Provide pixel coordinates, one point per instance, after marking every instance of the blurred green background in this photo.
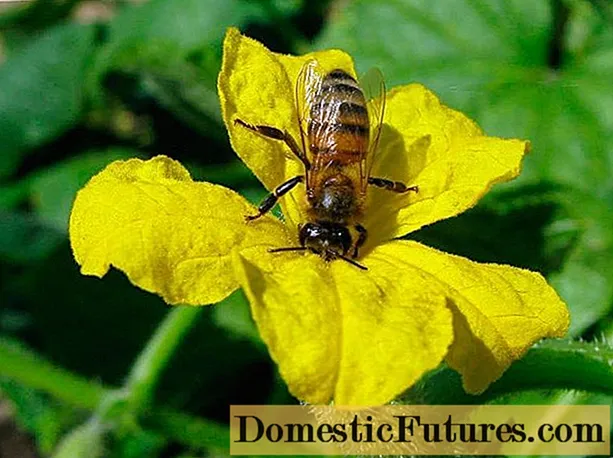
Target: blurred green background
(83, 83)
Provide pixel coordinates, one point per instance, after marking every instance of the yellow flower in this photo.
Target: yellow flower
(337, 332)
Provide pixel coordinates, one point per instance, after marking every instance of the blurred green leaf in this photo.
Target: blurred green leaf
(24, 239)
(184, 84)
(24, 20)
(27, 369)
(539, 70)
(52, 190)
(12, 195)
(42, 93)
(550, 364)
(493, 64)
(33, 371)
(235, 316)
(175, 49)
(190, 24)
(234, 174)
(27, 237)
(287, 7)
(85, 441)
(508, 227)
(13, 321)
(41, 416)
(79, 321)
(136, 444)
(586, 278)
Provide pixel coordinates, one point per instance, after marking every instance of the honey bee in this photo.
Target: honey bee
(340, 124)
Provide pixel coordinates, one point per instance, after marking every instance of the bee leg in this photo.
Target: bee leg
(394, 186)
(277, 134)
(363, 234)
(271, 199)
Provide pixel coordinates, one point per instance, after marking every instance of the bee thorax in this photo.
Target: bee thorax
(334, 199)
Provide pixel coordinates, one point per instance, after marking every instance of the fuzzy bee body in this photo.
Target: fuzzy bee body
(339, 126)
(339, 130)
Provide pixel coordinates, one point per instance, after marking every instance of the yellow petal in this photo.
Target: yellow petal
(343, 334)
(258, 86)
(499, 311)
(294, 304)
(170, 235)
(396, 326)
(427, 144)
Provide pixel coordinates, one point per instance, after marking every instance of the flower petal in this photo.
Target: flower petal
(170, 235)
(499, 311)
(396, 327)
(293, 302)
(427, 144)
(339, 333)
(258, 86)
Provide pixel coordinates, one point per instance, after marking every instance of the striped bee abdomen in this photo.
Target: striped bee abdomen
(339, 126)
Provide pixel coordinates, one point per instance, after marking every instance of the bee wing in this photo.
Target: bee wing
(373, 86)
(308, 88)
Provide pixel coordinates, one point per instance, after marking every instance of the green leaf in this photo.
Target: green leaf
(41, 93)
(23, 239)
(137, 444)
(538, 70)
(184, 84)
(32, 236)
(85, 441)
(123, 317)
(30, 370)
(507, 228)
(234, 315)
(553, 364)
(24, 20)
(12, 195)
(586, 278)
(52, 190)
(493, 64)
(42, 417)
(174, 48)
(189, 24)
(234, 175)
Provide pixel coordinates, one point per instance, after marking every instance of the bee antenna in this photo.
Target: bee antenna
(349, 260)
(289, 248)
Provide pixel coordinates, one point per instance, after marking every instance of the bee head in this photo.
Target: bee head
(326, 238)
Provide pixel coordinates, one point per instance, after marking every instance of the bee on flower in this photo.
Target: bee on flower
(338, 333)
(339, 133)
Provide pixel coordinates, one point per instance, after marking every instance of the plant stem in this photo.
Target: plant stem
(29, 369)
(149, 365)
(554, 364)
(189, 430)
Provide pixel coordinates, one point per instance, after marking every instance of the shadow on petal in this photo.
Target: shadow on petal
(399, 162)
(470, 356)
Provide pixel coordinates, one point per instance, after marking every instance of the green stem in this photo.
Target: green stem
(29, 369)
(149, 365)
(189, 430)
(554, 364)
(22, 365)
